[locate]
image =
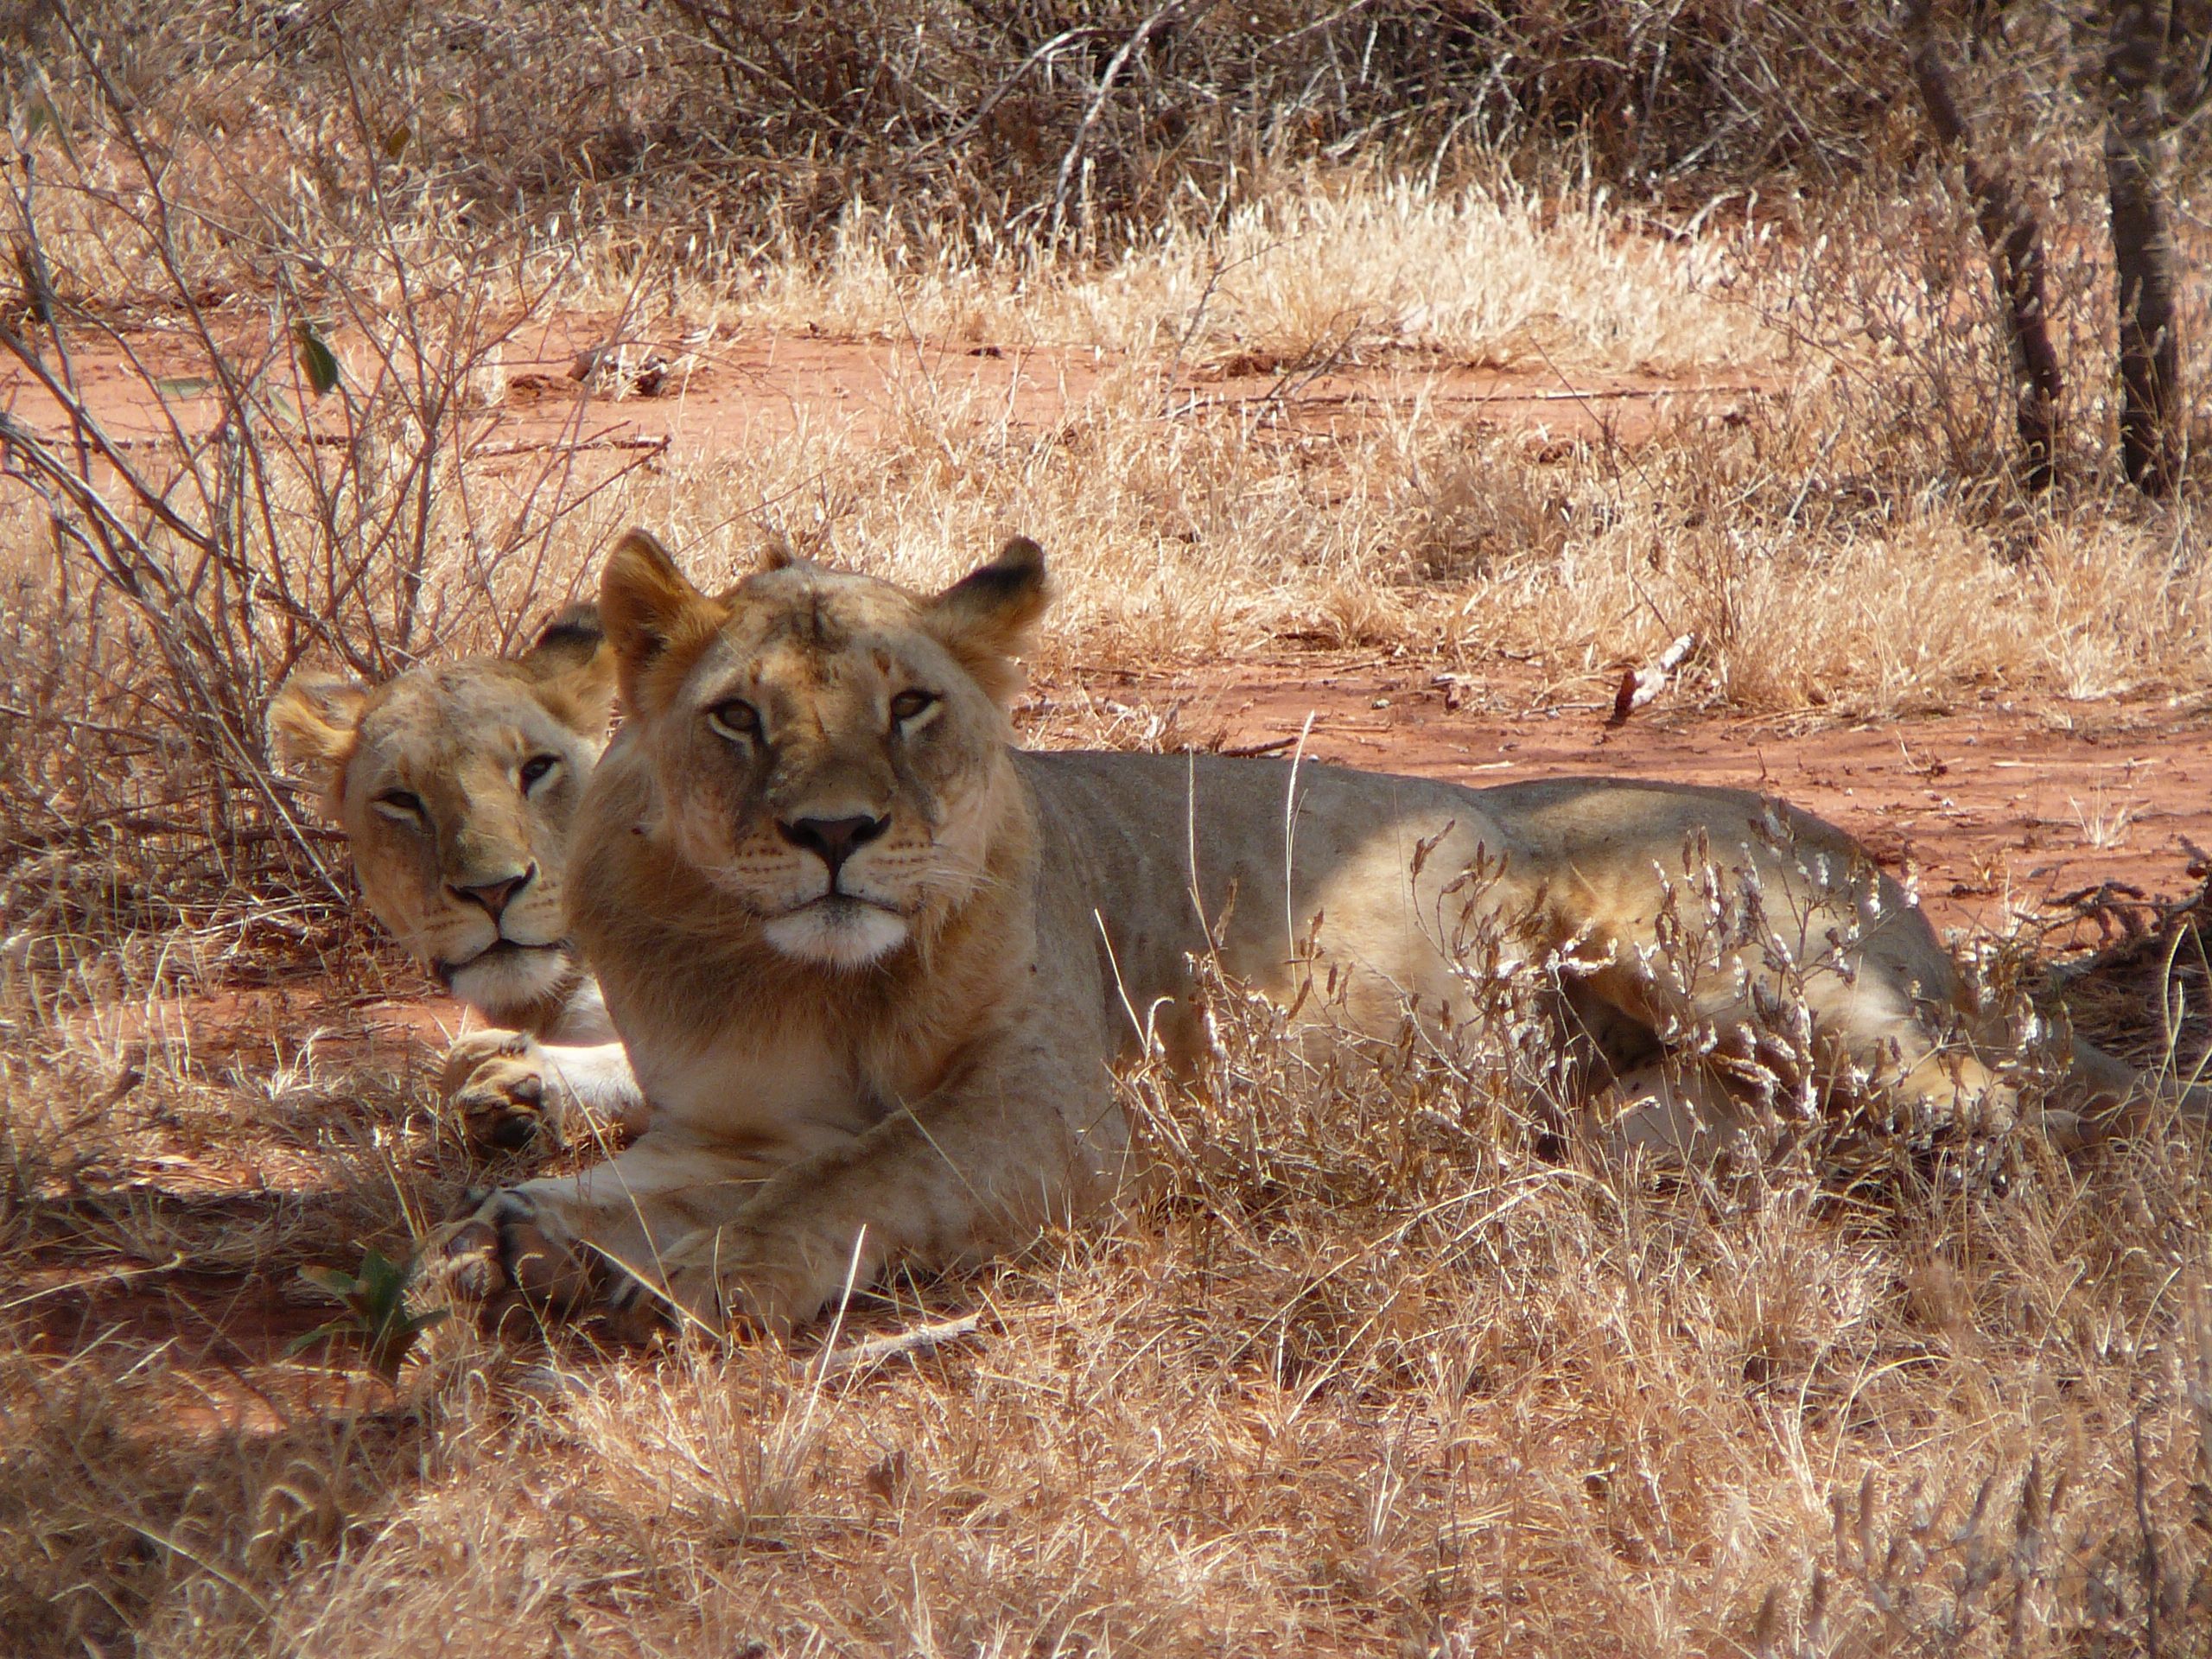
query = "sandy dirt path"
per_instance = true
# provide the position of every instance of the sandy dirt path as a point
(581, 382)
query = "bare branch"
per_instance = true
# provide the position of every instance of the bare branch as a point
(2014, 239)
(1173, 12)
(2143, 252)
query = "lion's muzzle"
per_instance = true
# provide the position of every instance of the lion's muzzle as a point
(833, 840)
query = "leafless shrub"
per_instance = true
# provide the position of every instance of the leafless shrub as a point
(298, 473)
(735, 128)
(2064, 129)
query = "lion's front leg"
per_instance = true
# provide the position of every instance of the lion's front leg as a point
(1024, 1137)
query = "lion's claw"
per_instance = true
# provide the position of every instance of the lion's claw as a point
(736, 1277)
(637, 1314)
(466, 1257)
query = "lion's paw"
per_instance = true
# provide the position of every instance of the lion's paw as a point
(497, 1082)
(505, 1247)
(720, 1278)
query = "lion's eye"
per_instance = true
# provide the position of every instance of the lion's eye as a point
(534, 769)
(907, 705)
(734, 718)
(403, 804)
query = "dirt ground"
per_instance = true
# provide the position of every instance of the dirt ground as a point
(587, 384)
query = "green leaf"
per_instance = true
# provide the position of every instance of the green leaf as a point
(325, 1332)
(316, 360)
(382, 1283)
(329, 1280)
(376, 1315)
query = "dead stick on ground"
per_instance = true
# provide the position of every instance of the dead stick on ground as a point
(921, 1339)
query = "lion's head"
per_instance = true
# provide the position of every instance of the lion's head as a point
(826, 749)
(455, 785)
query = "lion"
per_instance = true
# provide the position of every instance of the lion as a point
(455, 786)
(873, 963)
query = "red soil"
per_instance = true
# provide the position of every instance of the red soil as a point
(581, 383)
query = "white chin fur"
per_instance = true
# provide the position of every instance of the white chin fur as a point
(837, 935)
(511, 979)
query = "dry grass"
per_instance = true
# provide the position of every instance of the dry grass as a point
(1813, 580)
(1322, 261)
(1371, 1364)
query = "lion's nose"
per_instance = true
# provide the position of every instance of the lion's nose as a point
(494, 896)
(834, 839)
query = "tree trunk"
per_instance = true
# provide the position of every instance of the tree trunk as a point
(2142, 243)
(2014, 241)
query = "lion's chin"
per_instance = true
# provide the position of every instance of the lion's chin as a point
(509, 977)
(837, 933)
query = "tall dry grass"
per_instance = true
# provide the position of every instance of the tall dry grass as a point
(1362, 264)
(1371, 1364)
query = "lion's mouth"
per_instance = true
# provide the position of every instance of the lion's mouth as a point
(840, 930)
(500, 950)
(839, 903)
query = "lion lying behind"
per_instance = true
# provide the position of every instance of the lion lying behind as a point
(456, 784)
(872, 963)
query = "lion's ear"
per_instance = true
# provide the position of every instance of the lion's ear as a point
(312, 726)
(986, 617)
(573, 663)
(646, 604)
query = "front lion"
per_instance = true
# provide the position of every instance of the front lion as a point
(872, 963)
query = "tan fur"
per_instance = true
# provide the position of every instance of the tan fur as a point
(430, 774)
(913, 1066)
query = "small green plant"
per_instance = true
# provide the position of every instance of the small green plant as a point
(376, 1312)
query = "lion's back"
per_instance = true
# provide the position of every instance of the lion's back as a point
(1150, 859)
